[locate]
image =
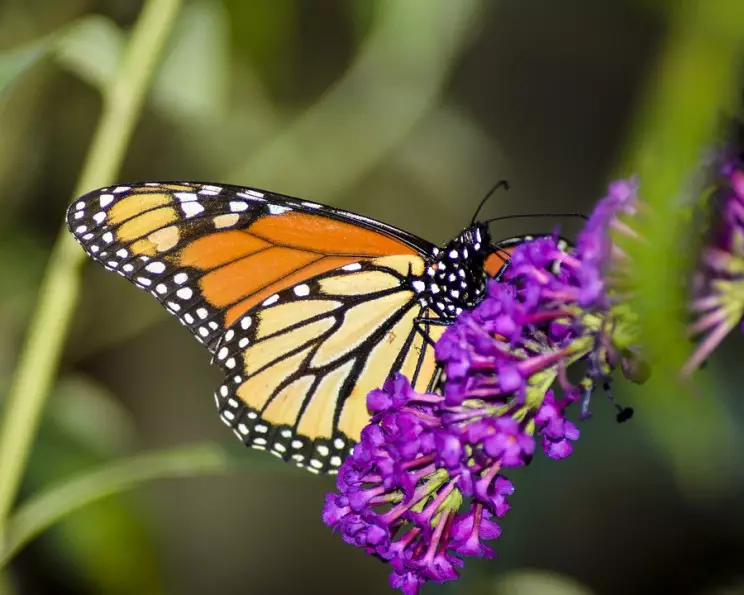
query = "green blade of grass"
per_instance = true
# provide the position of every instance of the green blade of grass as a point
(45, 509)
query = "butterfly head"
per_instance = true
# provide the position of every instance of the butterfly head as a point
(456, 273)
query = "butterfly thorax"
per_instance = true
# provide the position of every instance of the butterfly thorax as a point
(455, 276)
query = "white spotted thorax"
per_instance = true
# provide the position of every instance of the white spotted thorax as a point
(455, 278)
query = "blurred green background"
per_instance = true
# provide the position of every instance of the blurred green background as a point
(404, 110)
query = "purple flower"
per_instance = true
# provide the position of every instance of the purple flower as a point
(401, 494)
(422, 488)
(554, 321)
(718, 287)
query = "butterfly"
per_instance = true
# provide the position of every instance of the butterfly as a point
(305, 307)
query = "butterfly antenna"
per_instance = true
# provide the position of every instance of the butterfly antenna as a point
(535, 215)
(501, 184)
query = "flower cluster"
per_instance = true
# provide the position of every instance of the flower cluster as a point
(718, 289)
(402, 491)
(429, 479)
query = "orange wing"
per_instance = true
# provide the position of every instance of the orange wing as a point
(209, 253)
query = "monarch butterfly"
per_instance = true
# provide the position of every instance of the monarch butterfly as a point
(306, 308)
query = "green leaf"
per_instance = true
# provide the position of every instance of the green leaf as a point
(51, 505)
(108, 546)
(15, 62)
(92, 49)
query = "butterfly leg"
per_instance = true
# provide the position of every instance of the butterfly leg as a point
(422, 324)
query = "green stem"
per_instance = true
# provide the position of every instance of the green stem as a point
(60, 288)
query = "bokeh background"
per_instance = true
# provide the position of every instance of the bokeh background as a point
(404, 110)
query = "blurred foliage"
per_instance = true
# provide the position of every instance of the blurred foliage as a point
(408, 112)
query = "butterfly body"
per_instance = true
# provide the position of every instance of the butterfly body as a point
(306, 308)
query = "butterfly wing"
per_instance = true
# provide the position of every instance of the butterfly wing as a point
(305, 307)
(300, 368)
(209, 253)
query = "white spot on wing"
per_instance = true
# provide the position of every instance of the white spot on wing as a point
(191, 209)
(210, 190)
(278, 209)
(185, 293)
(302, 290)
(271, 300)
(252, 195)
(236, 206)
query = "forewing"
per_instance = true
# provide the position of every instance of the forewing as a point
(209, 253)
